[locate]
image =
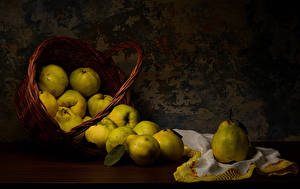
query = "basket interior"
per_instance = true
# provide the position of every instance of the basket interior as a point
(71, 54)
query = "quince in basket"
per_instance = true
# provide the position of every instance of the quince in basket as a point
(67, 119)
(85, 80)
(98, 102)
(49, 102)
(73, 100)
(124, 115)
(53, 79)
(85, 118)
(108, 123)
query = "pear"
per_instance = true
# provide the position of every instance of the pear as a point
(67, 119)
(74, 100)
(124, 115)
(53, 79)
(230, 143)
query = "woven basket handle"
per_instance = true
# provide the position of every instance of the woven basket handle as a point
(121, 92)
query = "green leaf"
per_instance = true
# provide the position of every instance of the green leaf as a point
(115, 155)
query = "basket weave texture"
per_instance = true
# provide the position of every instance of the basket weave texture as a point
(70, 54)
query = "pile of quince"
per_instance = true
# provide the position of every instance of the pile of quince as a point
(76, 98)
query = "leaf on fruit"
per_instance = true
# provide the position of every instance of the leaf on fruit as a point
(176, 133)
(114, 155)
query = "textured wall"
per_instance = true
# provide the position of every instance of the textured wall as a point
(202, 58)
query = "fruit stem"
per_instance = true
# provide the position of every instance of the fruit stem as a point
(65, 111)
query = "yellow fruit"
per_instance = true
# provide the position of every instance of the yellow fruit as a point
(124, 115)
(53, 79)
(85, 80)
(144, 149)
(230, 142)
(171, 145)
(146, 128)
(67, 119)
(130, 138)
(74, 100)
(49, 102)
(108, 123)
(98, 102)
(97, 134)
(86, 118)
(187, 151)
(117, 136)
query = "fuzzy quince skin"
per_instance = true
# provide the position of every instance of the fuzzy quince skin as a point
(49, 102)
(124, 115)
(97, 134)
(85, 80)
(74, 100)
(67, 119)
(97, 103)
(118, 136)
(143, 149)
(146, 127)
(53, 79)
(171, 145)
(85, 118)
(108, 123)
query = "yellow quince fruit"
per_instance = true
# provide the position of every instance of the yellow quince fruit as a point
(49, 102)
(171, 145)
(85, 80)
(53, 79)
(144, 149)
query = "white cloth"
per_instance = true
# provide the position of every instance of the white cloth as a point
(207, 165)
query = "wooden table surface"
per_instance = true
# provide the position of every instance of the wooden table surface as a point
(22, 163)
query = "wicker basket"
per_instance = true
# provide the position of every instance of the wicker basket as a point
(70, 54)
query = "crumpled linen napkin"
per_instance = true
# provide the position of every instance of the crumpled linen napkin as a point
(202, 165)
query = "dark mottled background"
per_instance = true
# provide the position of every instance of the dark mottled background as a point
(202, 58)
